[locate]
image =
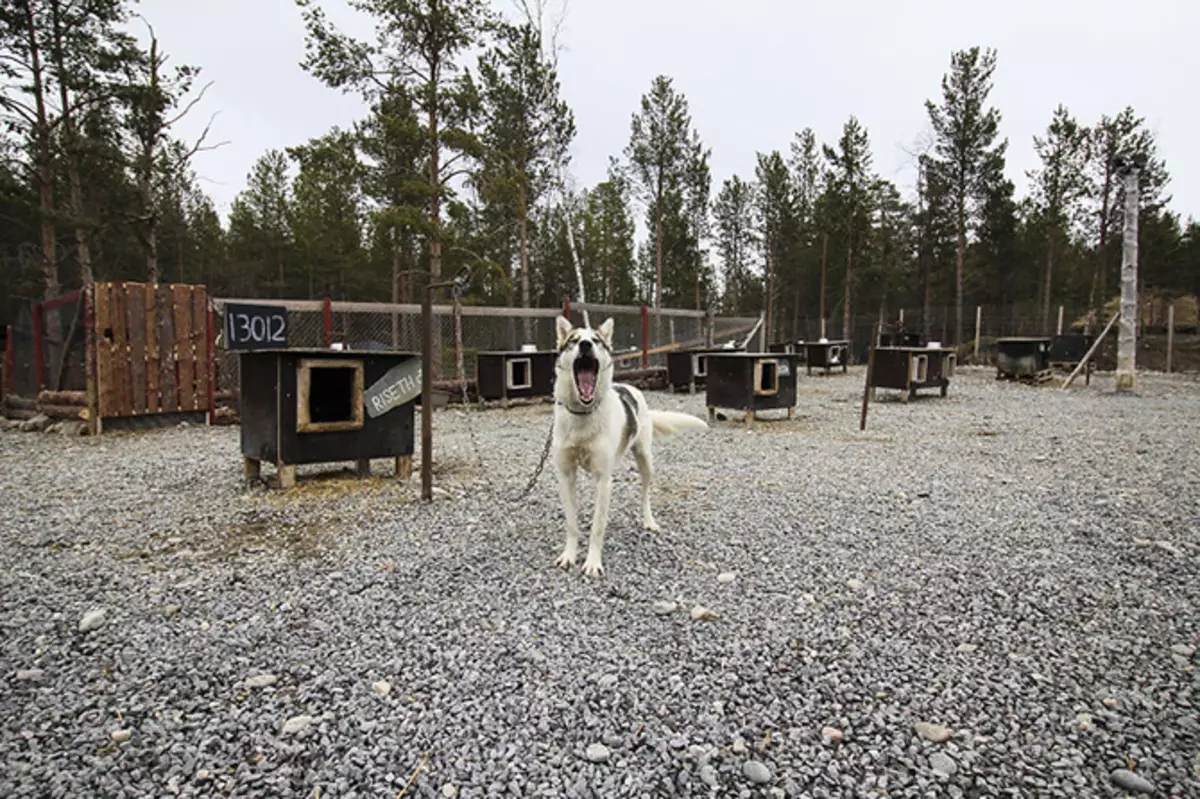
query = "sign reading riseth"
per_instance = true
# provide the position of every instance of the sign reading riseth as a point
(401, 384)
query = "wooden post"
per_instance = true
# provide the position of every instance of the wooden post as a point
(862, 423)
(327, 321)
(90, 360)
(212, 364)
(978, 322)
(645, 337)
(8, 362)
(710, 320)
(1060, 320)
(403, 467)
(1170, 334)
(1095, 345)
(1127, 335)
(39, 368)
(901, 316)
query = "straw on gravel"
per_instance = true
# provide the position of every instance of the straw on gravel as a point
(1016, 565)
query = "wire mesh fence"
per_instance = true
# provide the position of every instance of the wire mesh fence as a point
(49, 346)
(381, 326)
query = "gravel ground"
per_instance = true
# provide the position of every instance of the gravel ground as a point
(993, 594)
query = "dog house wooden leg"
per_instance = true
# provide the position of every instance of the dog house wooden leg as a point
(362, 467)
(712, 414)
(749, 419)
(287, 475)
(792, 412)
(251, 468)
(404, 467)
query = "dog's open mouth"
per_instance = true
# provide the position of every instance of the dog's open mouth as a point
(587, 370)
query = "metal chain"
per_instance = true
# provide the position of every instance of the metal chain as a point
(466, 403)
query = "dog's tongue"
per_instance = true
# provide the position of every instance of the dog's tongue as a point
(586, 380)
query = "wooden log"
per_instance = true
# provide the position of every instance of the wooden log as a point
(20, 414)
(62, 398)
(21, 403)
(71, 412)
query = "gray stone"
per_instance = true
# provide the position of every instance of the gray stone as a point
(121, 736)
(92, 620)
(29, 674)
(1183, 650)
(708, 775)
(701, 613)
(942, 763)
(933, 732)
(756, 772)
(664, 608)
(37, 424)
(1127, 780)
(854, 584)
(597, 753)
(296, 724)
(724, 578)
(260, 681)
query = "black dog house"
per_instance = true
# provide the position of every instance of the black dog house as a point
(1067, 350)
(789, 347)
(1022, 357)
(751, 382)
(826, 354)
(505, 375)
(311, 406)
(900, 339)
(908, 369)
(689, 368)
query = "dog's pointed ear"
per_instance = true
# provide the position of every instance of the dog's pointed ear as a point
(605, 331)
(564, 328)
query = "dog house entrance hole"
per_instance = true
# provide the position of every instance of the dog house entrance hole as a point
(329, 396)
(520, 373)
(699, 366)
(766, 377)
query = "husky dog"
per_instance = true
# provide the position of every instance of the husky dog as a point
(595, 422)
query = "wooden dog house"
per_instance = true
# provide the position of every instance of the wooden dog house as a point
(751, 382)
(908, 369)
(516, 374)
(301, 406)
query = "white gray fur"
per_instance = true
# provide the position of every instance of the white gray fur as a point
(590, 436)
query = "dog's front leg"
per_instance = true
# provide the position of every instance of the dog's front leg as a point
(594, 566)
(566, 487)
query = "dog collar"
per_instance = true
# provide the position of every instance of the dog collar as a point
(569, 409)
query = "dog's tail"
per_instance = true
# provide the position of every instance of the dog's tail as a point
(667, 423)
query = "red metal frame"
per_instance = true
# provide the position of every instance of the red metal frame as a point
(61, 300)
(39, 367)
(567, 309)
(645, 337)
(327, 317)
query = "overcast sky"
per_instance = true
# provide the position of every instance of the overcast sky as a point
(753, 71)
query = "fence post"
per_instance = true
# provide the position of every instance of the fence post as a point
(90, 360)
(710, 320)
(1060, 320)
(327, 318)
(8, 362)
(39, 368)
(901, 316)
(645, 337)
(978, 321)
(1170, 334)
(212, 364)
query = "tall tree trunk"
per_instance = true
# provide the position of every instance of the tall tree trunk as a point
(523, 220)
(71, 145)
(44, 164)
(395, 291)
(1046, 289)
(796, 315)
(960, 259)
(847, 321)
(769, 322)
(824, 265)
(1096, 295)
(927, 309)
(435, 212)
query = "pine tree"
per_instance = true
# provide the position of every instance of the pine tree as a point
(737, 240)
(668, 165)
(259, 222)
(967, 150)
(849, 187)
(325, 215)
(1058, 187)
(419, 43)
(777, 226)
(527, 130)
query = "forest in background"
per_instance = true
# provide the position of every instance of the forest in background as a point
(463, 160)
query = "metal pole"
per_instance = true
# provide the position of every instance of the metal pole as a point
(1127, 332)
(427, 383)
(862, 423)
(1060, 320)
